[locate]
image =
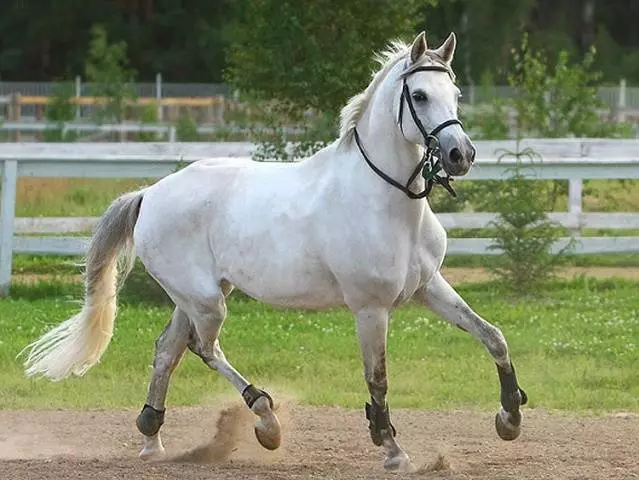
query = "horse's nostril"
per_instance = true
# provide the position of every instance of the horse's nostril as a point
(473, 153)
(455, 155)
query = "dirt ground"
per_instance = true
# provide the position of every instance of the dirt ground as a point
(458, 275)
(319, 443)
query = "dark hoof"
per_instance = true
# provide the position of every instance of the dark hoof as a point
(508, 429)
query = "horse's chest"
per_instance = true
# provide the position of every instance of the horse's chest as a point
(425, 260)
(412, 282)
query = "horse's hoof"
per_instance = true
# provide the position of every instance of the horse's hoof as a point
(267, 429)
(508, 425)
(399, 463)
(269, 438)
(153, 448)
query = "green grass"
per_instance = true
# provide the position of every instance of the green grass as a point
(575, 347)
(64, 197)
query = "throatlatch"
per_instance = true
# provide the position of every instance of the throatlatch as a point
(379, 419)
(251, 394)
(150, 420)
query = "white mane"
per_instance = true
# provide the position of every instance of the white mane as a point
(396, 51)
(355, 107)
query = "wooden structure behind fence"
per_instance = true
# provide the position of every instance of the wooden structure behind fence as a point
(208, 110)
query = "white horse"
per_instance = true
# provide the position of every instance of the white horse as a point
(348, 226)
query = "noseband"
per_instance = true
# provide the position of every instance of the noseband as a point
(430, 164)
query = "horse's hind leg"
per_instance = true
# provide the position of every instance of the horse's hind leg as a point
(207, 322)
(169, 349)
(444, 300)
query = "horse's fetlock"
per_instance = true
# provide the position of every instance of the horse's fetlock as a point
(511, 401)
(379, 422)
(150, 420)
(251, 394)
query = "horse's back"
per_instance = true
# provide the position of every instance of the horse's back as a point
(252, 224)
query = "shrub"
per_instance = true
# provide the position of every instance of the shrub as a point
(186, 129)
(523, 231)
(60, 110)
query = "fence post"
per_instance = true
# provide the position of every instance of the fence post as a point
(78, 94)
(158, 95)
(16, 113)
(574, 201)
(621, 104)
(7, 215)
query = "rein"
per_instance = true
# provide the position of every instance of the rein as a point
(430, 163)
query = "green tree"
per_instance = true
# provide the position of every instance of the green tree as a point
(559, 98)
(310, 57)
(554, 98)
(107, 68)
(44, 39)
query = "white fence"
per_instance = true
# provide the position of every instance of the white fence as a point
(567, 159)
(166, 132)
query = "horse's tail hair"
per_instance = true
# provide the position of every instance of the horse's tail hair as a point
(77, 344)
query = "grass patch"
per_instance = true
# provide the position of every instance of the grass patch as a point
(575, 348)
(46, 264)
(70, 197)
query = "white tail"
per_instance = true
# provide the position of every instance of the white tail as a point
(77, 344)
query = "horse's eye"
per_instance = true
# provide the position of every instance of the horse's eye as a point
(419, 97)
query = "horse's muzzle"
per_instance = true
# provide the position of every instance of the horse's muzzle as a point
(458, 160)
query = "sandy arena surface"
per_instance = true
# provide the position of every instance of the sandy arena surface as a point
(319, 443)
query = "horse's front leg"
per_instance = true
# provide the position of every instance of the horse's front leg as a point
(372, 327)
(440, 297)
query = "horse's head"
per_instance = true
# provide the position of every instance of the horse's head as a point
(427, 108)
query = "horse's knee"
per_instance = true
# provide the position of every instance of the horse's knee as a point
(496, 344)
(150, 420)
(164, 363)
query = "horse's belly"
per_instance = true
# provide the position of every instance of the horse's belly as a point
(291, 289)
(292, 279)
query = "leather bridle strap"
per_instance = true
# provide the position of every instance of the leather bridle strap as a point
(430, 163)
(388, 179)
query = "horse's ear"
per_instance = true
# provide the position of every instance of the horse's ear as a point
(419, 47)
(447, 49)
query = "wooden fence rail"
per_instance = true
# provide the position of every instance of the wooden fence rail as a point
(567, 159)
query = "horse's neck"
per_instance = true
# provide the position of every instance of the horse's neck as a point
(385, 144)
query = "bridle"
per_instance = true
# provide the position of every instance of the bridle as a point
(430, 164)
